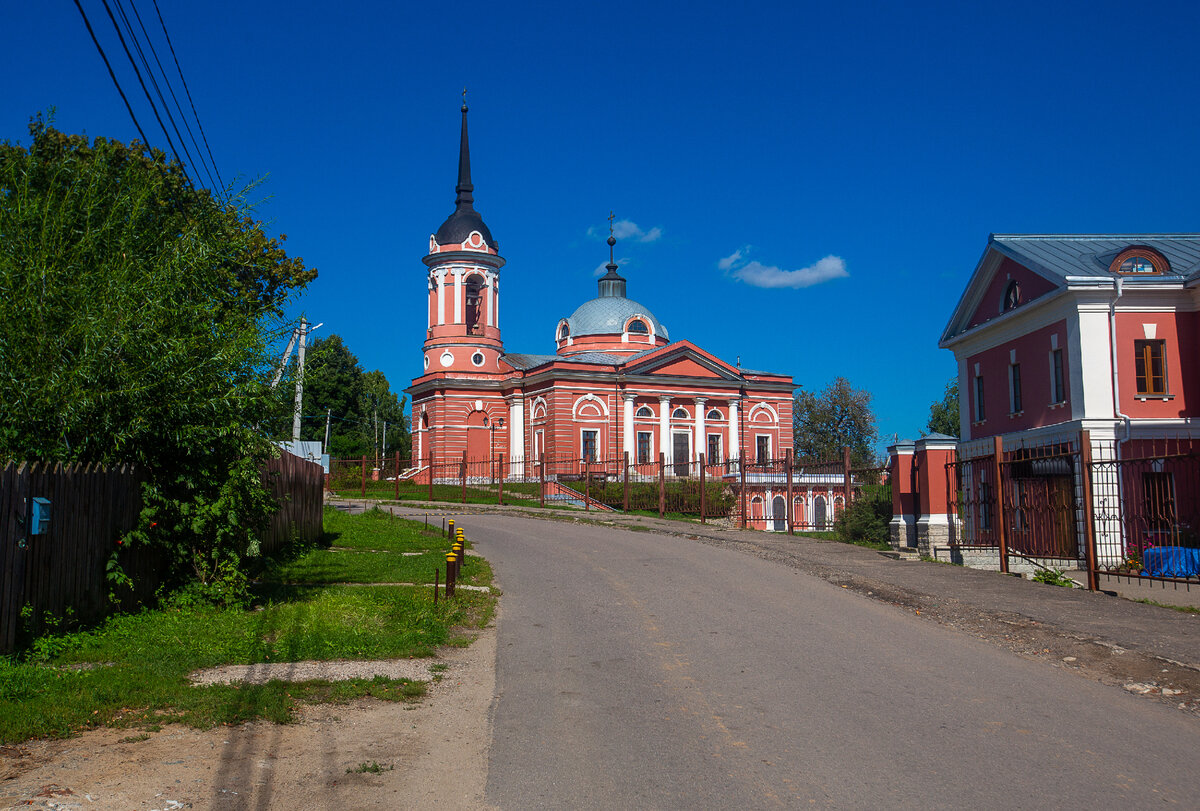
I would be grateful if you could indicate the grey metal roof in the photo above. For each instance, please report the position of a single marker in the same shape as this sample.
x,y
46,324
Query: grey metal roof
x,y
606,315
519,360
1065,255
526,362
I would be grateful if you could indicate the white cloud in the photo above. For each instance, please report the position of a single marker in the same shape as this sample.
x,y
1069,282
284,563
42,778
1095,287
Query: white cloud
x,y
628,229
602,268
733,259
756,274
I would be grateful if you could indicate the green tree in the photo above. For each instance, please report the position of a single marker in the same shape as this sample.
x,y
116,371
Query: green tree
x,y
137,313
839,417
943,415
358,403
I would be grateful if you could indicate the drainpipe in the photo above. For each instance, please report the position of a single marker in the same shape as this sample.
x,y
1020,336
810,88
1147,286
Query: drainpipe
x,y
1112,340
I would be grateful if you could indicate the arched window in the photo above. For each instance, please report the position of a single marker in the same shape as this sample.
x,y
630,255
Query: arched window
x,y
474,304
714,414
1012,296
645,411
679,414
564,331
638,326
1139,260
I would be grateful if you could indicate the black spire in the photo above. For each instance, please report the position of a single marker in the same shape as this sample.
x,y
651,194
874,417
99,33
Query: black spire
x,y
611,284
465,219
464,188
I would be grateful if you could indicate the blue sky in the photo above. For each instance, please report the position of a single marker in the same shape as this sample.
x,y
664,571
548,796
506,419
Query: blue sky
x,y
806,186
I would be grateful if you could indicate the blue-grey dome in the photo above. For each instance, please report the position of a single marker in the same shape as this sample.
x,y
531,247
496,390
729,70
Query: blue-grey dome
x,y
606,315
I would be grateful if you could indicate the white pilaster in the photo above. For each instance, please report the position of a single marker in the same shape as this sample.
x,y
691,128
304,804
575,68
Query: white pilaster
x,y
664,427
441,285
458,295
491,300
627,427
735,446
516,433
700,446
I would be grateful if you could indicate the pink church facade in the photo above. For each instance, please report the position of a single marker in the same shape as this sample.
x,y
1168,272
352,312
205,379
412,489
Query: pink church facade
x,y
615,384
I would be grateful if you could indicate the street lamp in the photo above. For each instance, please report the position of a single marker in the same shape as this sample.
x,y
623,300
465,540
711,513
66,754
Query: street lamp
x,y
496,423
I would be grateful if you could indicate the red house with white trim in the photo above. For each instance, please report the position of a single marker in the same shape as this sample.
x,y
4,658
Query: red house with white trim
x,y
615,384
1057,334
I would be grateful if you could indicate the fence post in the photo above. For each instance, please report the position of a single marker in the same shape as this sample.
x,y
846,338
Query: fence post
x,y
463,471
742,490
846,480
396,473
788,464
1089,527
364,476
703,494
662,483
542,480
587,483
431,474
1001,541
626,505
500,492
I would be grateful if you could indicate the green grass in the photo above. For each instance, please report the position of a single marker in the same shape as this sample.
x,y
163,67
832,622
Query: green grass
x,y
133,670
1186,609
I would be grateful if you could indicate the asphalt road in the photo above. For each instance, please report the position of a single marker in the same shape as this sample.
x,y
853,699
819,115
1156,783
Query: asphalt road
x,y
636,670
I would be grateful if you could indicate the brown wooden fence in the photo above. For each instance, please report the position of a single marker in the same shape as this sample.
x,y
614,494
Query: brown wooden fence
x,y
299,487
62,573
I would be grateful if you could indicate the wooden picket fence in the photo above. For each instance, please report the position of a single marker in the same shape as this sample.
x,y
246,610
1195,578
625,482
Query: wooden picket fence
x,y
62,573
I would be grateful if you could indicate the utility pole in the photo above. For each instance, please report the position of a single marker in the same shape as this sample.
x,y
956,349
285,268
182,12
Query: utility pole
x,y
299,381
375,411
385,437
328,415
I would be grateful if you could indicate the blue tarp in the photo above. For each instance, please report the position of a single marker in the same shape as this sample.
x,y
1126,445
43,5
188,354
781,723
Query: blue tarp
x,y
1171,561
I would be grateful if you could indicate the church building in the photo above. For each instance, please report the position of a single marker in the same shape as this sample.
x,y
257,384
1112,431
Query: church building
x,y
615,384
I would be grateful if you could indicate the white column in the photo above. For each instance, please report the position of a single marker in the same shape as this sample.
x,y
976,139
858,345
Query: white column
x,y
429,315
441,284
418,433
630,435
516,434
664,427
700,438
735,446
496,301
458,295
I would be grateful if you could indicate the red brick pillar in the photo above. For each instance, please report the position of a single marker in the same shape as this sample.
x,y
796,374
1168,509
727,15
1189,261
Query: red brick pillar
x,y
935,528
902,531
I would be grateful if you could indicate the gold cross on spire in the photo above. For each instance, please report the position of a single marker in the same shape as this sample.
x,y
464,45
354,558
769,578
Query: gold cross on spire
x,y
610,223
464,97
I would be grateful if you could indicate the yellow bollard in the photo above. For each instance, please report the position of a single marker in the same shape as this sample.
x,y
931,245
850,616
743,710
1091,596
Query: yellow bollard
x,y
451,527
451,564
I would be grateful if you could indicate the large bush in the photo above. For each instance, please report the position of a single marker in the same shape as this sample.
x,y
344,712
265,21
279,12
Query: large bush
x,y
866,520
137,313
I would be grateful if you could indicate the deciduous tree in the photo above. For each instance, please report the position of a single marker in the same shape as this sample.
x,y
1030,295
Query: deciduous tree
x,y
943,415
137,311
839,417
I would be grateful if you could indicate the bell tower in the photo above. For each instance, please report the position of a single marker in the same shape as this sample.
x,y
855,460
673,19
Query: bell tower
x,y
464,262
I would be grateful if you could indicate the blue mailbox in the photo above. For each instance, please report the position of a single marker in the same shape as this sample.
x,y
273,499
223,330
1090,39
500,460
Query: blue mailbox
x,y
39,516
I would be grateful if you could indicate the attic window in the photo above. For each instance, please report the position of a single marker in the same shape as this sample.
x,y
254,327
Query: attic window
x,y
638,327
563,332
1012,295
1139,260
644,411
679,414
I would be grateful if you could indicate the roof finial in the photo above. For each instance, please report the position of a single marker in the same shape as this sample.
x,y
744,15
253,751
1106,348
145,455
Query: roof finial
x,y
612,240
464,107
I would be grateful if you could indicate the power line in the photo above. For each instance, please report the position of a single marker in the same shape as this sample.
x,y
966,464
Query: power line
x,y
187,91
166,81
141,81
137,45
112,75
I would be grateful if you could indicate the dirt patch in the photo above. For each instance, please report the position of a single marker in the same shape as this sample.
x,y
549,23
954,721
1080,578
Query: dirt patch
x,y
430,753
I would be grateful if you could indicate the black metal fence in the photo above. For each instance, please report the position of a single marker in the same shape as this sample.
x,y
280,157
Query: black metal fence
x,y
1128,508
757,494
